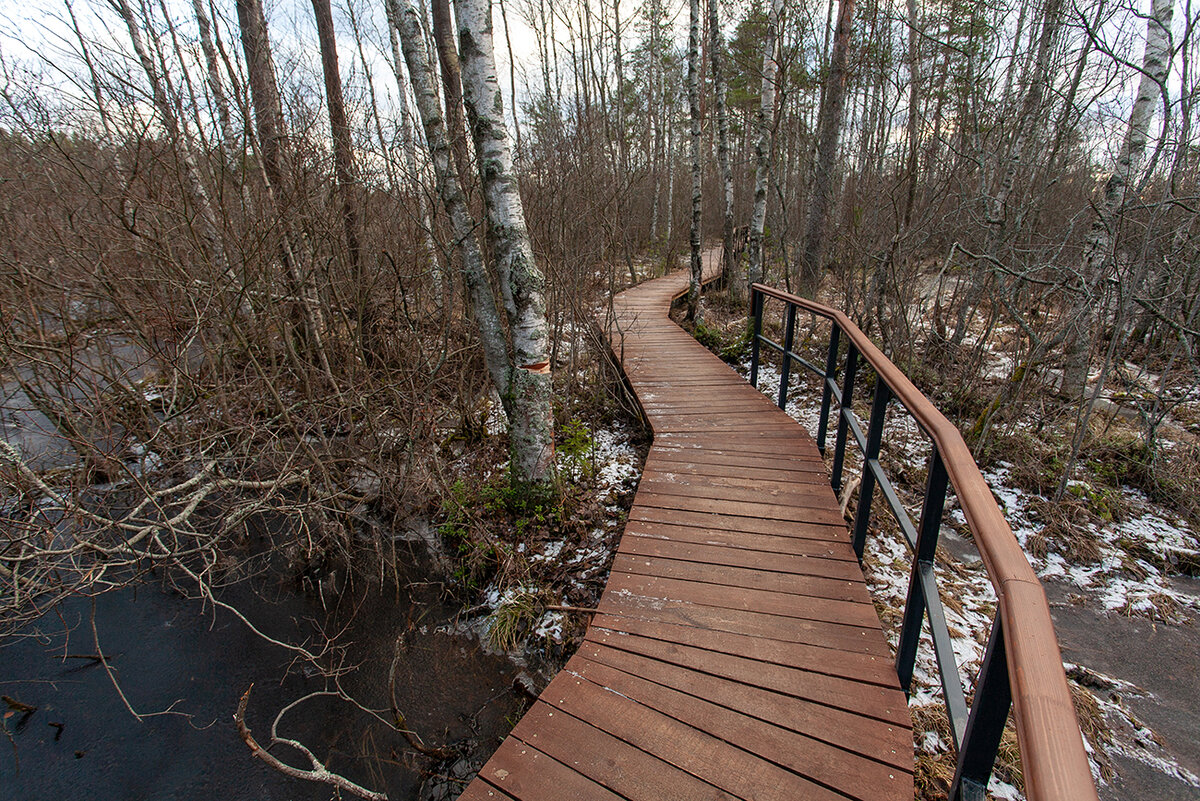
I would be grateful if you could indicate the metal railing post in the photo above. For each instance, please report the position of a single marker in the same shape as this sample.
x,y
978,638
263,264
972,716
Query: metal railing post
x,y
756,309
839,445
985,727
827,392
789,334
866,489
927,537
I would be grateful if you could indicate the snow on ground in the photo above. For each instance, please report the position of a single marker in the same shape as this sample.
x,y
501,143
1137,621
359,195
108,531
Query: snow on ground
x,y
1118,580
610,467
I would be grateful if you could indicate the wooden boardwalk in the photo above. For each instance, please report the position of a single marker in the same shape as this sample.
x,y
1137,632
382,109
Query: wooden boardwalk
x,y
735,653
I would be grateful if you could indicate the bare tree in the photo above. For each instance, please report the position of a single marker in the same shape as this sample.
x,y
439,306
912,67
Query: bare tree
x,y
1098,247
829,127
268,114
344,175
764,123
693,82
720,90
206,218
483,301
531,426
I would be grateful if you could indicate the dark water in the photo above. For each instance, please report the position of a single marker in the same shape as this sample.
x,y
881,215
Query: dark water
x,y
169,652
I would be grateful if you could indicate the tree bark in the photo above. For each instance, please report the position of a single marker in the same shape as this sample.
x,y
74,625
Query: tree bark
x,y
211,243
693,79
764,122
1098,247
345,178
343,153
268,117
829,128
442,288
720,90
232,142
531,427
449,188
443,36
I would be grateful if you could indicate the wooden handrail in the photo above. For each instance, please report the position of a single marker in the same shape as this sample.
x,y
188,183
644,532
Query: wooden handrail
x,y
1054,762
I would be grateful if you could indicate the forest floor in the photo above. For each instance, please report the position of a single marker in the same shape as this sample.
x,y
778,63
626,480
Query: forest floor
x,y
1119,570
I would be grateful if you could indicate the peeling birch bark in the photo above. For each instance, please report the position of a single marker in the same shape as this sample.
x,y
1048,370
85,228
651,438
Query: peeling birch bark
x,y
407,128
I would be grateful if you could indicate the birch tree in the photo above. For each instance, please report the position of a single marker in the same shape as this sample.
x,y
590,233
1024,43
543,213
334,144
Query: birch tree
x,y
450,191
231,139
764,124
205,221
693,79
720,90
530,422
1098,247
408,145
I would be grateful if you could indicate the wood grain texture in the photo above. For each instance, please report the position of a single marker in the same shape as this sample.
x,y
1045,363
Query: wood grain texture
x,y
736,653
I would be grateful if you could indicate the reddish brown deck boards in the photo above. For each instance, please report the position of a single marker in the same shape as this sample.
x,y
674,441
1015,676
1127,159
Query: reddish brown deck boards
x,y
736,653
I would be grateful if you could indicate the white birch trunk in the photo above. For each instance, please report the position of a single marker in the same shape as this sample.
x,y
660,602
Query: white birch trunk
x,y
720,90
693,79
762,146
408,144
429,107
1098,247
530,425
205,220
232,142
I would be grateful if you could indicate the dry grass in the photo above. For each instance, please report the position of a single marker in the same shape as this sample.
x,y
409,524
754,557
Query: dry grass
x,y
1094,728
935,771
1065,525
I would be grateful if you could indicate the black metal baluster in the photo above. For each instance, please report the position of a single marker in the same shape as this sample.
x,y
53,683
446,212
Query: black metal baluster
x,y
789,334
839,445
866,489
756,309
827,393
927,537
989,712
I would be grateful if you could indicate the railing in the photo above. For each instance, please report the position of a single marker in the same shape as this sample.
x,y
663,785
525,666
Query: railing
x,y
1022,667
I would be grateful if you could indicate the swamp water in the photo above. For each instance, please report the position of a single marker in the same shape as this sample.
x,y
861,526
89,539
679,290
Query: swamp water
x,y
168,652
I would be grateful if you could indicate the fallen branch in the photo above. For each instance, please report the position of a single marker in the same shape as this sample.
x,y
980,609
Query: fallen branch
x,y
318,773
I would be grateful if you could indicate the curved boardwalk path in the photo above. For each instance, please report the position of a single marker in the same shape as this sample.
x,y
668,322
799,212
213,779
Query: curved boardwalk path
x,y
735,652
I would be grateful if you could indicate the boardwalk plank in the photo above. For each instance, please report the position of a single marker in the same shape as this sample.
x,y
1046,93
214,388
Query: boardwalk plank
x,y
735,652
